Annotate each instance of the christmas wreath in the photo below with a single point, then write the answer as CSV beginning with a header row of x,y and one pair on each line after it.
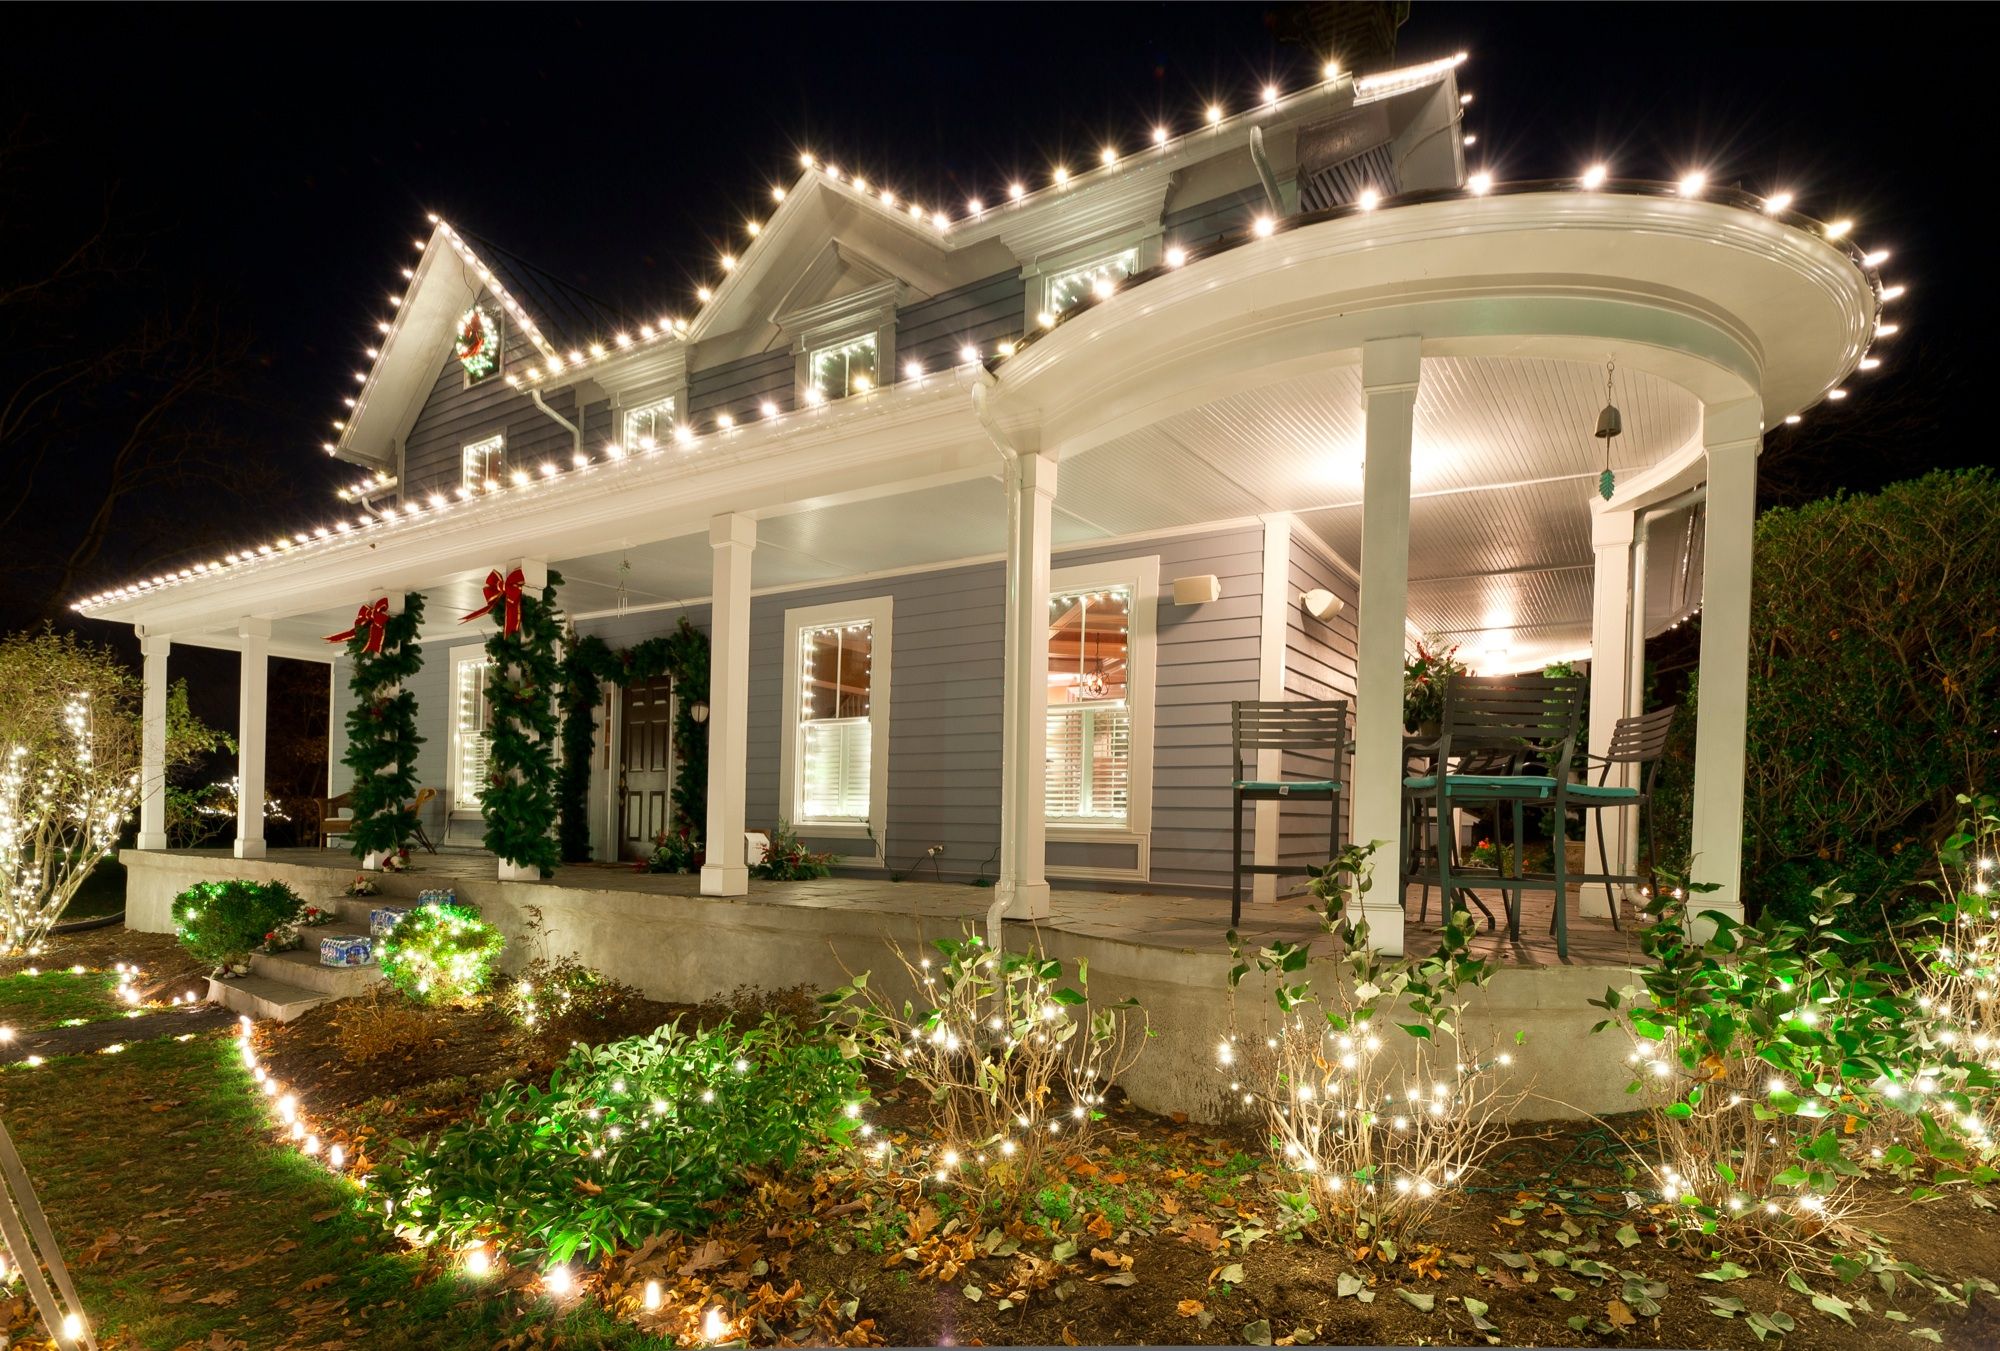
x,y
478,346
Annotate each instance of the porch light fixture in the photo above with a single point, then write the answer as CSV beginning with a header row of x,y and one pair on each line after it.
x,y
1159,135
1369,199
1061,176
968,353
1792,419
1594,176
1176,256
1263,226
1015,192
1480,183
1836,393
1108,156
698,711
1776,202
1214,114
1892,292
1331,70
1691,184
1270,95
1875,258
1839,228
1870,363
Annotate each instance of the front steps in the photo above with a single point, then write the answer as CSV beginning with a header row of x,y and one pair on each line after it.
x,y
283,985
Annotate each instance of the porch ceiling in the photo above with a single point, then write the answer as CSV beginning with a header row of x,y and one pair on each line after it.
x,y
1504,469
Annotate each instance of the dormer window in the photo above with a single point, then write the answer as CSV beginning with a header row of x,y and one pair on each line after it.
x,y
1072,284
844,368
650,424
484,463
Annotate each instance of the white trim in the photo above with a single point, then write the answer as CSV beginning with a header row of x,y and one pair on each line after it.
x,y
483,446
1142,575
460,656
1273,633
878,612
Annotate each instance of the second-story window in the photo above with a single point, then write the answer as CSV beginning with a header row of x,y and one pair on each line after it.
x,y
1067,287
649,425
484,463
844,368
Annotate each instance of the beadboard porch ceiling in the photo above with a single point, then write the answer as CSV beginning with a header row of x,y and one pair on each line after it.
x,y
1504,469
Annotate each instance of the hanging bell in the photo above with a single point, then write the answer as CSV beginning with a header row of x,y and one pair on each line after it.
x,y
1609,423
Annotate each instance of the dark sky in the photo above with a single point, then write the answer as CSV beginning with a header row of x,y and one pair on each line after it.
x,y
279,159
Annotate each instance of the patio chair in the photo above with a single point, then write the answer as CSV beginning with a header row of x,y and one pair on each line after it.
x,y
335,817
1640,741
1514,731
1314,730
425,796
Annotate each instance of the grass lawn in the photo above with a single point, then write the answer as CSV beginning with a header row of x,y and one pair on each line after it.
x,y
185,1227
53,998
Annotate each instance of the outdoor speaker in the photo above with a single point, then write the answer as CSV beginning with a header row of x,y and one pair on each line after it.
x,y
1197,590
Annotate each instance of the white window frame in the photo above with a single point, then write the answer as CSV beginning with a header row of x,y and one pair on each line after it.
x,y
667,405
465,654
878,612
1143,242
870,338
1054,276
483,447
835,323
1142,577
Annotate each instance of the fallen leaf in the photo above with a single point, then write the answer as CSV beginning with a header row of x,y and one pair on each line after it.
x,y
1620,1315
225,1297
1257,1333
1418,1300
1111,1257
1188,1308
319,1282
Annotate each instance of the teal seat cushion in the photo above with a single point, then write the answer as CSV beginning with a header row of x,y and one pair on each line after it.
x,y
1486,785
1600,793
1288,785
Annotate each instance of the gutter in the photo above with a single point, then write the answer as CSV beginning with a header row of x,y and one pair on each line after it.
x,y
575,432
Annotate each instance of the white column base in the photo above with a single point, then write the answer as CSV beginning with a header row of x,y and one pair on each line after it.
x,y
721,879
249,849
1027,900
519,872
150,840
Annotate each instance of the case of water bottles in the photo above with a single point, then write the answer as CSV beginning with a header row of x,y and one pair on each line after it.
x,y
346,950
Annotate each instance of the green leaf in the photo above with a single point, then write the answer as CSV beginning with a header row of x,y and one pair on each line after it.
x,y
1627,1236
1423,1303
1834,1307
1257,1333
1064,1250
1728,1271
1347,1284
1563,1293
1231,1274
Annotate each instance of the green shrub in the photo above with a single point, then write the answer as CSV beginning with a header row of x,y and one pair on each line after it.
x,y
1874,688
628,1139
223,922
788,860
439,953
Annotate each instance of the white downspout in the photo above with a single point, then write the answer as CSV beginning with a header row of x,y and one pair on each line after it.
x,y
575,432
1010,458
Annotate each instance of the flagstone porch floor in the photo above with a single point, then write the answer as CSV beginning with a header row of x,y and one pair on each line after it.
x,y
1146,919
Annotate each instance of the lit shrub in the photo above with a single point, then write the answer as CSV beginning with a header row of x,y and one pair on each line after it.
x,y
629,1139
439,953
221,923
1778,1061
1374,1104
1009,1056
1957,947
563,999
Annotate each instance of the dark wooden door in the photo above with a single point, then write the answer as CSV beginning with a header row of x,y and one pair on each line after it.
x,y
645,767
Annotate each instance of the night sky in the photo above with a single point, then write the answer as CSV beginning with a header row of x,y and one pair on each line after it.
x,y
275,162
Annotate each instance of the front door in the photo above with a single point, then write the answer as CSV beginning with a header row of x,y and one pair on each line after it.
x,y
646,767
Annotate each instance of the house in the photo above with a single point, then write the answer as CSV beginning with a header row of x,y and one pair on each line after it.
x,y
990,509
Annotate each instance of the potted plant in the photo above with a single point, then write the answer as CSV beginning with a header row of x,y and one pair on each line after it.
x,y
1424,677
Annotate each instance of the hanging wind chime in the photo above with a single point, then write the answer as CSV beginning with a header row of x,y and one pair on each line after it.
x,y
1609,424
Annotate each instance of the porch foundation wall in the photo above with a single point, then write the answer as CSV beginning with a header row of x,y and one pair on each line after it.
x,y
690,949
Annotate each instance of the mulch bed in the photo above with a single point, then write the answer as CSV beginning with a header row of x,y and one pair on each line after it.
x,y
845,1255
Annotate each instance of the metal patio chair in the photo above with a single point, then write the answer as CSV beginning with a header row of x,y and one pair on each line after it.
x,y
1314,730
1527,722
1640,741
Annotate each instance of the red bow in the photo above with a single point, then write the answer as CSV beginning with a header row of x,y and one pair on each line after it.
x,y
370,617
500,588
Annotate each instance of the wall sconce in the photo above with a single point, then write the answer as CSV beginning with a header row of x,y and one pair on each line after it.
x,y
1197,590
1321,604
698,710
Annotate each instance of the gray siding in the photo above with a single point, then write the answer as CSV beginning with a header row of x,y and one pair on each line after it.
x,y
983,314
453,415
737,387
1319,664
1204,222
432,686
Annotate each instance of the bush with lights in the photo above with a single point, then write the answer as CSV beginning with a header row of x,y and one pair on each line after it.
x,y
563,999
1008,1054
1373,1101
628,1140
1778,1062
222,923
1957,949
442,952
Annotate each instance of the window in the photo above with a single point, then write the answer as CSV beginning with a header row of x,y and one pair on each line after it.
x,y
844,368
471,727
1090,708
484,463
650,425
1067,287
837,710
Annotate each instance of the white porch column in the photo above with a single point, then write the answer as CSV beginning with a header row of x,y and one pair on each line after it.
x,y
734,539
1389,372
1610,677
153,647
251,711
1023,887
1732,434
1273,626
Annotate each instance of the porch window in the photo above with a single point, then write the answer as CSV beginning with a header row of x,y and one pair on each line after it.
x,y
1067,287
843,368
471,731
484,463
1090,707
650,424
837,707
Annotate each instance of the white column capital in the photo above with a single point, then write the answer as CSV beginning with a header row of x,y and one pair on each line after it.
x,y
534,572
253,626
1611,528
1037,473
1391,363
153,644
732,529
1736,422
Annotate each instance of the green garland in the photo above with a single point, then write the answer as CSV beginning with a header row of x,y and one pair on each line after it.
x,y
382,738
518,800
682,656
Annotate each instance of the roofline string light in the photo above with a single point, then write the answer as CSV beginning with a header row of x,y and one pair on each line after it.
x,y
688,438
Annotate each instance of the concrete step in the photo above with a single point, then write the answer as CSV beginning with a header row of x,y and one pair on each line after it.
x,y
264,997
354,911
302,969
